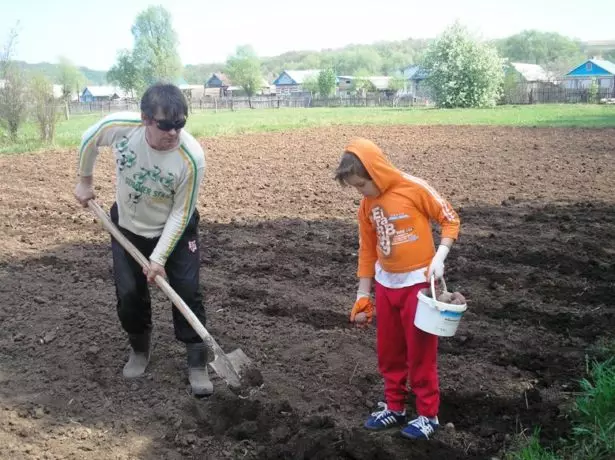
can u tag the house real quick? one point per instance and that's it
(415, 76)
(346, 84)
(102, 93)
(529, 83)
(226, 88)
(220, 81)
(291, 81)
(581, 77)
(530, 73)
(192, 92)
(265, 89)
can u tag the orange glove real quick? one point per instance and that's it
(362, 305)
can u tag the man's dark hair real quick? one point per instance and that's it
(166, 97)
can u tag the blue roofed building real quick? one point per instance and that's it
(581, 77)
(415, 76)
(291, 81)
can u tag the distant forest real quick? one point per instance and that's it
(554, 51)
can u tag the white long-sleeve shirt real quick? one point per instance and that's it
(156, 190)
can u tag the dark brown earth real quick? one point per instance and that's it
(279, 242)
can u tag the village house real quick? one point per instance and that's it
(102, 93)
(598, 70)
(291, 81)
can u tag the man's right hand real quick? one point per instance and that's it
(84, 192)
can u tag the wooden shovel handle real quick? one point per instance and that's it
(160, 281)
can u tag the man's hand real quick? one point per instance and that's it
(154, 270)
(84, 191)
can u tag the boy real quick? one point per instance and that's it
(396, 249)
(159, 169)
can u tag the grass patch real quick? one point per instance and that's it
(593, 422)
(594, 429)
(209, 123)
(530, 449)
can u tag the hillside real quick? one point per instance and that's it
(94, 77)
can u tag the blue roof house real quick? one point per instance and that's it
(593, 69)
(415, 75)
(291, 81)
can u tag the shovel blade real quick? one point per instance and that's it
(237, 360)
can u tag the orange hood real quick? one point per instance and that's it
(382, 172)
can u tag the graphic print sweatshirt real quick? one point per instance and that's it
(394, 228)
(156, 191)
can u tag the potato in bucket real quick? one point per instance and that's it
(439, 315)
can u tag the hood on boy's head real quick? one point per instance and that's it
(382, 172)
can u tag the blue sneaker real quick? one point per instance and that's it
(420, 428)
(385, 419)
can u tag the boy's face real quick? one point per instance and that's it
(365, 186)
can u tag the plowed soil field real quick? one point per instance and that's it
(279, 250)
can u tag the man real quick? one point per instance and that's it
(159, 171)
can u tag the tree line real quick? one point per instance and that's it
(464, 71)
(154, 54)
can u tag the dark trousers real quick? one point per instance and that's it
(134, 305)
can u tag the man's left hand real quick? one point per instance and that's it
(154, 270)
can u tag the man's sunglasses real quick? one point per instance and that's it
(168, 125)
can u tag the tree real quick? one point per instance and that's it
(12, 89)
(126, 73)
(536, 47)
(326, 82)
(45, 108)
(554, 52)
(244, 69)
(463, 72)
(70, 78)
(396, 83)
(311, 84)
(155, 46)
(361, 83)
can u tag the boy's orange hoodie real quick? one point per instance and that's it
(394, 227)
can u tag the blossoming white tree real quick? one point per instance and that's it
(463, 71)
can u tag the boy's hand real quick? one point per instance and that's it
(362, 307)
(436, 268)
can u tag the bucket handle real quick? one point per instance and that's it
(433, 286)
(450, 307)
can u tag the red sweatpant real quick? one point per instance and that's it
(405, 352)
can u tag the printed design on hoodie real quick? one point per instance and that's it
(386, 233)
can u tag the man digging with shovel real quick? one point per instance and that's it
(159, 169)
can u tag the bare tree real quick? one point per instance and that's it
(12, 88)
(45, 107)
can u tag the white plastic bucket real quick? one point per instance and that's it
(435, 317)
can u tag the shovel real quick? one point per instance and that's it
(227, 366)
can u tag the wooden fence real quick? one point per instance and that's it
(520, 94)
(547, 93)
(301, 100)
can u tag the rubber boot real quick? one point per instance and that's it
(139, 355)
(197, 370)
